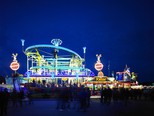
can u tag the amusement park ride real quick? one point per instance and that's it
(52, 63)
(46, 60)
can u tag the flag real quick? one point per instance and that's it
(127, 71)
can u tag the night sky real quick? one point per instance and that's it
(122, 31)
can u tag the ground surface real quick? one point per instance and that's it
(48, 108)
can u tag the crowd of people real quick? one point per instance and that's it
(125, 94)
(78, 96)
(74, 97)
(14, 98)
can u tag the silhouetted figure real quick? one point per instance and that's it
(76, 100)
(21, 97)
(83, 96)
(145, 93)
(115, 94)
(88, 92)
(67, 98)
(102, 95)
(14, 97)
(29, 95)
(4, 97)
(58, 98)
(152, 94)
(126, 96)
(139, 93)
(1, 103)
(61, 99)
(109, 95)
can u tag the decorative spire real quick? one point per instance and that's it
(84, 50)
(98, 57)
(14, 57)
(56, 42)
(22, 41)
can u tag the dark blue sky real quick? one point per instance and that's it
(122, 31)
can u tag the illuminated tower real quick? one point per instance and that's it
(56, 42)
(99, 66)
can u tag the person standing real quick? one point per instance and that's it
(21, 97)
(4, 97)
(1, 103)
(88, 97)
(14, 97)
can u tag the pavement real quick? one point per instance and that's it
(48, 108)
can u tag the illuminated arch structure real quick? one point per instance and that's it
(45, 60)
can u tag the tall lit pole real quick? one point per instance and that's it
(84, 52)
(22, 42)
